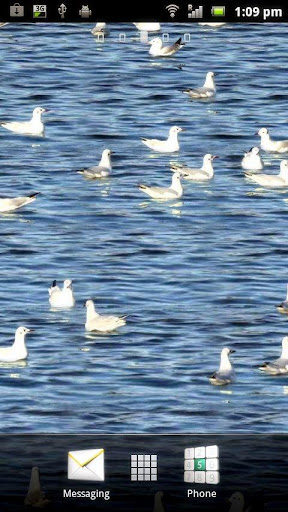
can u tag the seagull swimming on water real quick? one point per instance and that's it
(268, 144)
(205, 173)
(208, 90)
(101, 323)
(100, 29)
(102, 170)
(11, 204)
(33, 127)
(62, 298)
(252, 160)
(271, 180)
(158, 50)
(175, 191)
(225, 374)
(148, 27)
(170, 145)
(213, 24)
(18, 350)
(278, 366)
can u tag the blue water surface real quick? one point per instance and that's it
(194, 275)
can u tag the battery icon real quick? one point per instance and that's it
(218, 10)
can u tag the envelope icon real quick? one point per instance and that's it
(86, 465)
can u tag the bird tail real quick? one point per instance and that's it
(142, 187)
(33, 195)
(179, 42)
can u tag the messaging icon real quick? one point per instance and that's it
(86, 465)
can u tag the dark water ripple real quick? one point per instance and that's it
(194, 276)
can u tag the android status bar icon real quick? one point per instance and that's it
(218, 10)
(195, 13)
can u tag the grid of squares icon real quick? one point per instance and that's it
(201, 465)
(144, 467)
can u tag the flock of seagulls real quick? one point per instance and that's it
(252, 163)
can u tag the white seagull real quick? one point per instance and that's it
(10, 204)
(18, 350)
(148, 27)
(274, 146)
(158, 50)
(170, 145)
(175, 191)
(61, 298)
(207, 91)
(33, 127)
(101, 323)
(283, 307)
(205, 173)
(102, 170)
(271, 180)
(35, 497)
(252, 160)
(226, 373)
(100, 29)
(280, 365)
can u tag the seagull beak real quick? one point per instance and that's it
(30, 330)
(256, 133)
(215, 156)
(84, 305)
(232, 351)
(112, 152)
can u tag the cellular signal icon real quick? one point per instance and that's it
(195, 13)
(172, 9)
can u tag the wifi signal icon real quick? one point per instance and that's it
(172, 9)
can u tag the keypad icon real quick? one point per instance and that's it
(144, 467)
(201, 465)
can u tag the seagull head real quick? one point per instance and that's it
(89, 304)
(39, 110)
(156, 42)
(262, 132)
(22, 331)
(209, 158)
(284, 168)
(107, 152)
(175, 129)
(226, 351)
(67, 283)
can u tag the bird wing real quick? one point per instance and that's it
(173, 48)
(105, 322)
(96, 171)
(195, 174)
(200, 92)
